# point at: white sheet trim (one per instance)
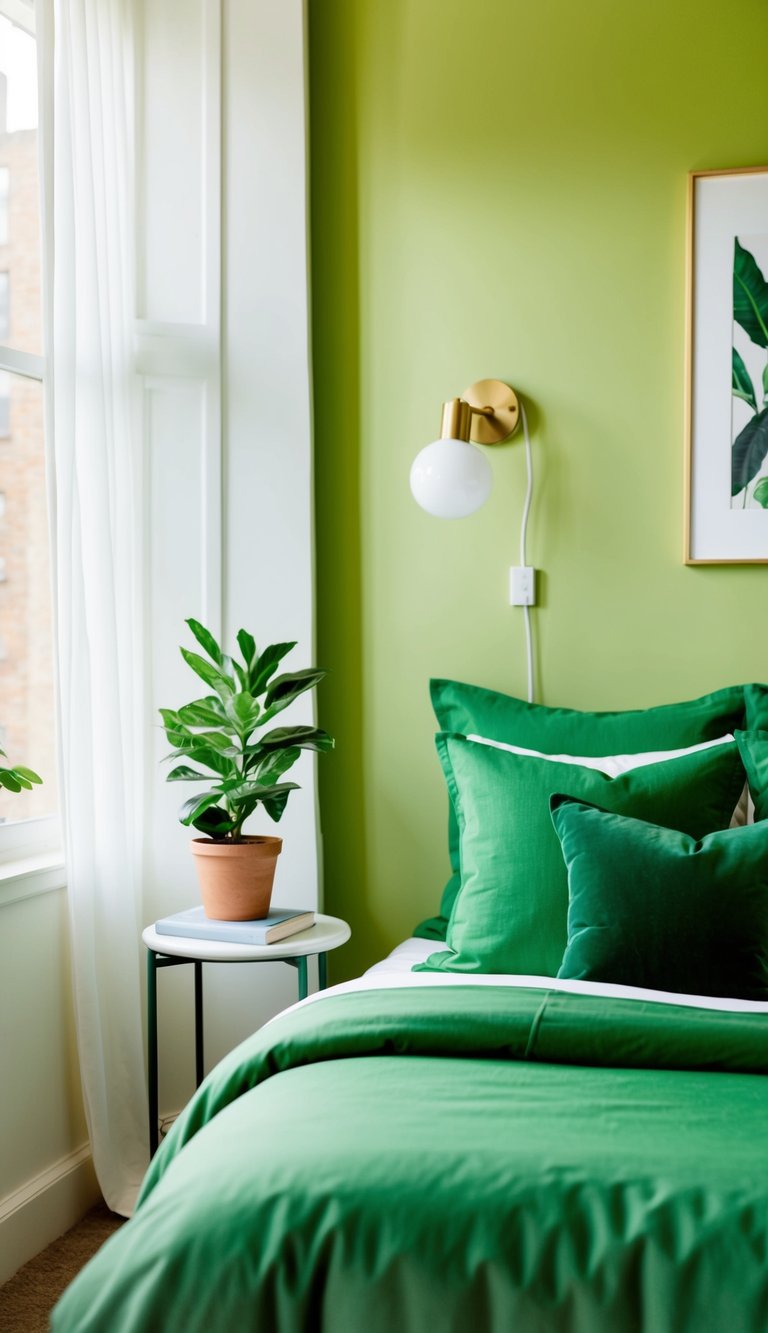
(395, 972)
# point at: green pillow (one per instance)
(756, 707)
(511, 914)
(753, 746)
(471, 710)
(649, 906)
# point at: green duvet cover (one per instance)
(457, 1159)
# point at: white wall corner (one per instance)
(44, 1207)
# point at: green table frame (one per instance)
(155, 961)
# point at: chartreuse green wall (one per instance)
(499, 189)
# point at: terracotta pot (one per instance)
(236, 877)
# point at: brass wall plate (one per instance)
(506, 411)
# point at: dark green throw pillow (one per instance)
(753, 746)
(756, 707)
(649, 906)
(471, 710)
(511, 914)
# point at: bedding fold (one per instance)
(457, 1157)
(489, 1023)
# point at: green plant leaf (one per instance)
(258, 791)
(231, 669)
(765, 385)
(760, 493)
(171, 720)
(200, 714)
(267, 665)
(194, 807)
(274, 765)
(244, 712)
(215, 822)
(27, 773)
(749, 450)
(247, 645)
(13, 779)
(275, 805)
(223, 764)
(210, 674)
(307, 738)
(186, 774)
(242, 675)
(216, 740)
(206, 640)
(750, 295)
(741, 380)
(284, 689)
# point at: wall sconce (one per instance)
(452, 477)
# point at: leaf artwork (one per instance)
(218, 733)
(750, 296)
(750, 317)
(749, 450)
(742, 381)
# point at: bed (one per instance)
(479, 1134)
(419, 1151)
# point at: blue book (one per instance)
(276, 925)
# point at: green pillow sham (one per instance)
(650, 906)
(753, 747)
(472, 710)
(511, 914)
(756, 707)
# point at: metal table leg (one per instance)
(301, 963)
(154, 1129)
(322, 971)
(199, 1061)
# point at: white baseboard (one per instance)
(45, 1207)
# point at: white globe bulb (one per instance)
(451, 478)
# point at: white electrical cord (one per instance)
(523, 561)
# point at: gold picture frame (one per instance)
(725, 429)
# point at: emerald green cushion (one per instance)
(650, 906)
(753, 746)
(511, 913)
(756, 707)
(471, 710)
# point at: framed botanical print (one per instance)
(727, 368)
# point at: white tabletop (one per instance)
(327, 933)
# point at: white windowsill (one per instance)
(29, 876)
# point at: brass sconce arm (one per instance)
(487, 412)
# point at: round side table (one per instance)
(328, 932)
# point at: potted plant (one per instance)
(18, 778)
(223, 733)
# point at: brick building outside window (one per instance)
(27, 718)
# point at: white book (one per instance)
(276, 925)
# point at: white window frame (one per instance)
(31, 858)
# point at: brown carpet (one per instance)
(28, 1298)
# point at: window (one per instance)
(27, 718)
(5, 405)
(5, 186)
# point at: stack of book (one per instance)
(276, 925)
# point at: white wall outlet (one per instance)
(522, 585)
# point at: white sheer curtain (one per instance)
(87, 132)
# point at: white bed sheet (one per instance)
(395, 972)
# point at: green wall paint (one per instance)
(498, 189)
